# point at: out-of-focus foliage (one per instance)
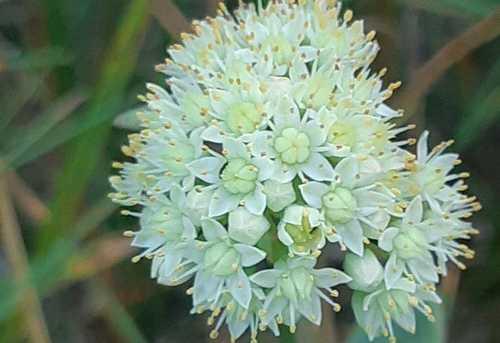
(68, 68)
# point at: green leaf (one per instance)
(84, 153)
(457, 8)
(46, 270)
(482, 111)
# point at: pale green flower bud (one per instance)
(297, 284)
(410, 243)
(292, 146)
(221, 259)
(366, 271)
(239, 176)
(340, 205)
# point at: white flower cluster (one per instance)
(272, 142)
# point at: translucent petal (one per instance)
(330, 277)
(311, 309)
(256, 202)
(207, 168)
(213, 230)
(236, 149)
(177, 196)
(222, 202)
(414, 212)
(347, 169)
(250, 256)
(352, 236)
(266, 278)
(245, 227)
(312, 192)
(279, 195)
(318, 168)
(385, 240)
(393, 271)
(239, 287)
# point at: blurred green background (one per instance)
(68, 68)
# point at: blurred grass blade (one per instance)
(26, 199)
(481, 111)
(41, 126)
(84, 153)
(479, 34)
(44, 58)
(47, 270)
(170, 17)
(458, 8)
(71, 128)
(98, 255)
(17, 256)
(14, 102)
(118, 316)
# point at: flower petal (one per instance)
(240, 289)
(213, 230)
(316, 134)
(311, 309)
(330, 277)
(255, 202)
(236, 149)
(287, 114)
(279, 195)
(283, 236)
(387, 237)
(222, 202)
(318, 168)
(250, 256)
(266, 278)
(352, 236)
(312, 192)
(207, 168)
(293, 214)
(414, 212)
(393, 271)
(177, 196)
(245, 227)
(347, 169)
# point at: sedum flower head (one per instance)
(272, 143)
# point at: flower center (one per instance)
(292, 146)
(280, 47)
(176, 157)
(317, 91)
(339, 205)
(243, 118)
(342, 133)
(239, 176)
(304, 236)
(221, 259)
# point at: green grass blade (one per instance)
(84, 153)
(41, 126)
(482, 111)
(46, 270)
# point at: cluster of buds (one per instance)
(272, 142)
